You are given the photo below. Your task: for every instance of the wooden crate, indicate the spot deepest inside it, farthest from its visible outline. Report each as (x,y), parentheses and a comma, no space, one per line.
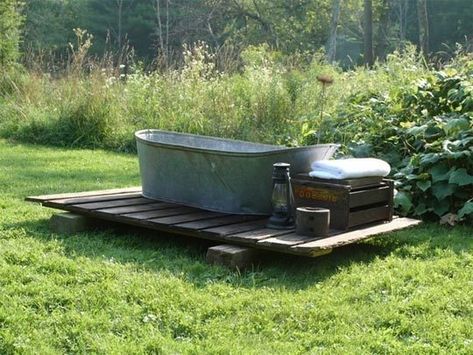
(351,202)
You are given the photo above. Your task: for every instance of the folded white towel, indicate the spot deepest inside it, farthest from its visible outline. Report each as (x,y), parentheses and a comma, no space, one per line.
(349,168)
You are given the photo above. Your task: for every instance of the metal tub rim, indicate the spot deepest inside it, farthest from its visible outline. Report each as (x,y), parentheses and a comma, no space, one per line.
(271,149)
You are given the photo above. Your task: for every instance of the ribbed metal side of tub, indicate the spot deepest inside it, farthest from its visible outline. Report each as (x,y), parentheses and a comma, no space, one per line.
(216,174)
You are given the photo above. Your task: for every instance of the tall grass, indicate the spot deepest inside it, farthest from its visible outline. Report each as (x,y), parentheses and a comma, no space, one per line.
(94,105)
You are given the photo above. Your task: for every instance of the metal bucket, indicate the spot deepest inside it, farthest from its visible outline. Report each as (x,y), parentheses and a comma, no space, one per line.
(216,174)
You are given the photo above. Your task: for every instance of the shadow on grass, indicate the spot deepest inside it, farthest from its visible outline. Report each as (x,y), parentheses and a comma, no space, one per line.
(179,255)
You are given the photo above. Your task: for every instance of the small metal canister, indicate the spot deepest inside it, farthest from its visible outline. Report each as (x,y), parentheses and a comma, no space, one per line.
(312,221)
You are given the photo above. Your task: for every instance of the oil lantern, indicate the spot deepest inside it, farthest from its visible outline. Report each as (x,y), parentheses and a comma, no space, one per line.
(281,198)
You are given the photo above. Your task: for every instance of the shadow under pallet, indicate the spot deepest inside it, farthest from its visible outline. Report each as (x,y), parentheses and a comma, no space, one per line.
(129,207)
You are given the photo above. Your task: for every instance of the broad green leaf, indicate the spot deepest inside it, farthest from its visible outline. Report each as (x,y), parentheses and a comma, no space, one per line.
(403,200)
(440,172)
(441,207)
(468,103)
(460,177)
(432,132)
(442,190)
(456,125)
(421,209)
(417,130)
(459,155)
(424,184)
(467,209)
(429,158)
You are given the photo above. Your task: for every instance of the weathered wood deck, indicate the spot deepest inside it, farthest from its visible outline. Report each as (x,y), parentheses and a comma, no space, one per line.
(129,207)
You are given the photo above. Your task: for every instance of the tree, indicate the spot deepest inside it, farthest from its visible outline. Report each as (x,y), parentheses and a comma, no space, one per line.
(289,26)
(383,29)
(10,24)
(423,21)
(332,40)
(368,32)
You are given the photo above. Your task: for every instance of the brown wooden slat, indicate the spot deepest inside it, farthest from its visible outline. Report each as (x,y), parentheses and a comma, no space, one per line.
(368,215)
(138,208)
(42,198)
(285,241)
(353,183)
(311,248)
(256,235)
(199,225)
(160,213)
(236,228)
(369,197)
(187,217)
(100,205)
(102,198)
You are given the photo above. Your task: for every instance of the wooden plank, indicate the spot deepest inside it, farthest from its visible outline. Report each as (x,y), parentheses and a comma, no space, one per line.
(102,198)
(353,183)
(368,215)
(99,205)
(42,198)
(138,208)
(285,241)
(160,213)
(370,196)
(236,228)
(311,248)
(205,224)
(187,217)
(256,235)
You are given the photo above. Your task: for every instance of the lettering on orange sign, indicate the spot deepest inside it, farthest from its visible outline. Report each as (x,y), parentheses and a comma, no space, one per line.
(316,194)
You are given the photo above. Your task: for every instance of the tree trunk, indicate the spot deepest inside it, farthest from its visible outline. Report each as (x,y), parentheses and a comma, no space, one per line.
(332,40)
(402,22)
(423,20)
(368,33)
(160,27)
(119,39)
(167,31)
(382,34)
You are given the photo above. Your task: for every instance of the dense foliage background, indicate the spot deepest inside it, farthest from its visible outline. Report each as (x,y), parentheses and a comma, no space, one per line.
(159,28)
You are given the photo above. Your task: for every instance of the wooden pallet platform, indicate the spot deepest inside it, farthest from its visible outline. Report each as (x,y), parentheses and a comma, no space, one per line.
(129,207)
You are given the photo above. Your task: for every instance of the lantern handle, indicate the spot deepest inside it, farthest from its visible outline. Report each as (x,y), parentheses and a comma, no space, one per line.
(290,197)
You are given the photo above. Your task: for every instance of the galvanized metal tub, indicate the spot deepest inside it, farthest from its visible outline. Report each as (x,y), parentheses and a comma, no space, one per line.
(216,174)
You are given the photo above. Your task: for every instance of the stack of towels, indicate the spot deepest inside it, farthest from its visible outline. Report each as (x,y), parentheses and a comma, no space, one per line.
(349,168)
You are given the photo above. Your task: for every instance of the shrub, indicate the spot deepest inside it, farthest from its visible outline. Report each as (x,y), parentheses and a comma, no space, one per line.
(425,131)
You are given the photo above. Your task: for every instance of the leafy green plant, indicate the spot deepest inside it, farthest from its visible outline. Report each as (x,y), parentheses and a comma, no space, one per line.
(426,132)
(438,180)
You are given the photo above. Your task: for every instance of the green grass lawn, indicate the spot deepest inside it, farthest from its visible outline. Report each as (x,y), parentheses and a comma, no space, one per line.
(124,292)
